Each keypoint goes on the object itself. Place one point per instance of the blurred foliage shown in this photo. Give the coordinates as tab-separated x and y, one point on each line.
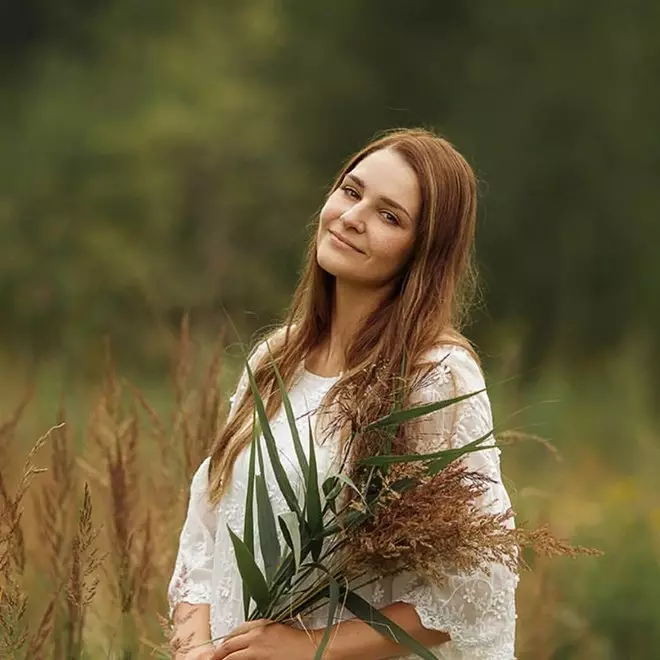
162	156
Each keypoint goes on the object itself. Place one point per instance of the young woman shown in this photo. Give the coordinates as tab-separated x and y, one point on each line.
389	269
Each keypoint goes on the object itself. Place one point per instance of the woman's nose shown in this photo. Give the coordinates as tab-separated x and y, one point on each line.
354	217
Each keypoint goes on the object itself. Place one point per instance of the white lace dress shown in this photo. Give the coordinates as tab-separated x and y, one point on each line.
477	610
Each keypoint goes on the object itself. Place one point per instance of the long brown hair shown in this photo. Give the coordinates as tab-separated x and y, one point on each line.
427	306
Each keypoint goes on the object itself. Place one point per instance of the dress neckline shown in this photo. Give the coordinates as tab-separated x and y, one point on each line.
311	376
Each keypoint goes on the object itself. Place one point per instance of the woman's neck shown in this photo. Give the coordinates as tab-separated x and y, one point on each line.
351	306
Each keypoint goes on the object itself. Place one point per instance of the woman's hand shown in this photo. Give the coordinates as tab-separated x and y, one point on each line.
266	640
203	653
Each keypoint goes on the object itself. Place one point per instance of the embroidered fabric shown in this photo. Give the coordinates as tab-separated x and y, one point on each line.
477	610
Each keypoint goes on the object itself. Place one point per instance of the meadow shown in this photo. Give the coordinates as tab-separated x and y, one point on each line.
164	156
94	477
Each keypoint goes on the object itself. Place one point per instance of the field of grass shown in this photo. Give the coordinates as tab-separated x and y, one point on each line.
87	545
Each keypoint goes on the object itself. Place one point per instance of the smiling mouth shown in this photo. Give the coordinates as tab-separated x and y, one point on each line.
345	242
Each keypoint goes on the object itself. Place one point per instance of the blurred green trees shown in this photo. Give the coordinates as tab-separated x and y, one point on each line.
162	156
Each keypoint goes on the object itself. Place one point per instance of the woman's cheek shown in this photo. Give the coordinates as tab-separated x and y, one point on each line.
391	253
331	210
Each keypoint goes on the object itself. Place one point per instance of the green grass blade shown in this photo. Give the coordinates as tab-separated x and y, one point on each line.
268	541
313	499
404	484
380	623
448	455
333	603
291	532
331	489
344	478
248	526
348	521
283	572
401	416
248	522
271	446
442	463
253	579
291	418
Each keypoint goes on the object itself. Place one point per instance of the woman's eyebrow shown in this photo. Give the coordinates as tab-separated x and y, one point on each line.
387	200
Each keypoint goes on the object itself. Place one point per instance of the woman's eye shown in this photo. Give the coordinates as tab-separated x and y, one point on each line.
351	192
391	217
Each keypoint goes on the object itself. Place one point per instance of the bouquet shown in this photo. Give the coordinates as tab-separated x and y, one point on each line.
409	512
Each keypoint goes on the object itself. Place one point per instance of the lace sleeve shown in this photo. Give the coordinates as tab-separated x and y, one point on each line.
193	569
191	579
477	610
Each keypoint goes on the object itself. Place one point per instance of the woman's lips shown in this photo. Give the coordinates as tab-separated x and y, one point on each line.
343	242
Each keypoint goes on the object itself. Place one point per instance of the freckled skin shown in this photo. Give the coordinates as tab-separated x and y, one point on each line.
383	232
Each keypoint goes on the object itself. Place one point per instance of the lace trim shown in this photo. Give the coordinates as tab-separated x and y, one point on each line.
476	611
185	588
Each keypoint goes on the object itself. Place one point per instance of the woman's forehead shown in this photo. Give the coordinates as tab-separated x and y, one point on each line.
385	173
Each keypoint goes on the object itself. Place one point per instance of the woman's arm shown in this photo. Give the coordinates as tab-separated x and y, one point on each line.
476	609
189	592
355	640
191	628
349	640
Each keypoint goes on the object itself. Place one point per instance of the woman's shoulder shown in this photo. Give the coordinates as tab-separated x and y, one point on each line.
448	361
268	341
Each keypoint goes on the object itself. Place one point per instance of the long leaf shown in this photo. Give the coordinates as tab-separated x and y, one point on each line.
331	489
442	463
442	454
344	478
380	623
253	579
313	499
248	522
286	568
268	541
333	603
348	521
400	416
307	596
271	446
291	418
291	532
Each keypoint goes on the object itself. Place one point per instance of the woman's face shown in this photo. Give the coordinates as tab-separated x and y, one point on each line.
367	226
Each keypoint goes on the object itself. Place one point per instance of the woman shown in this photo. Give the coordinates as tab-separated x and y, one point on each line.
389	268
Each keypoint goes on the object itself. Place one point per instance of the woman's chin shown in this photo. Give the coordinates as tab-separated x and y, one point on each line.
331	269
330	263
339	267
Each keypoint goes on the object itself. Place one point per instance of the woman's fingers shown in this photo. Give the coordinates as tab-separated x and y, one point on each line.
230	646
243	654
237	641
200	654
247	626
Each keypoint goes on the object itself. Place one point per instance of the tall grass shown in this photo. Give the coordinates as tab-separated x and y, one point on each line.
88	537
90	513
